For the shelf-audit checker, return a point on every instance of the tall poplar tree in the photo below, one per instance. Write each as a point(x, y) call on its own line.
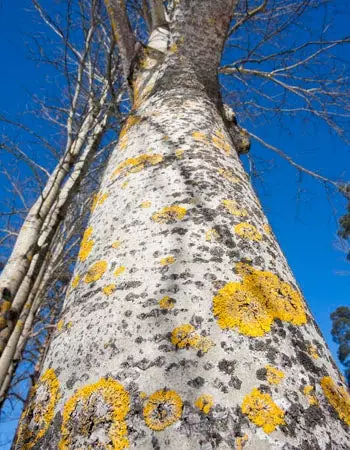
point(184, 327)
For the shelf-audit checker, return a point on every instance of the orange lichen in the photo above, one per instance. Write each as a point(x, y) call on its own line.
point(240, 442)
point(119, 270)
point(212, 235)
point(228, 175)
point(86, 245)
point(273, 375)
point(247, 231)
point(251, 306)
point(233, 209)
point(310, 395)
point(167, 302)
point(109, 289)
point(338, 397)
point(145, 204)
point(75, 281)
point(205, 403)
point(169, 214)
point(95, 271)
point(162, 409)
point(167, 261)
point(262, 410)
point(220, 142)
point(134, 165)
point(81, 417)
point(98, 200)
point(313, 352)
point(38, 416)
point(185, 336)
point(116, 244)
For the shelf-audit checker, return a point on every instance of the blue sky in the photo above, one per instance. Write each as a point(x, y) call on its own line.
point(301, 211)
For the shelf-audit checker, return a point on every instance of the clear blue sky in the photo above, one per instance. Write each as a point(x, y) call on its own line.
point(302, 215)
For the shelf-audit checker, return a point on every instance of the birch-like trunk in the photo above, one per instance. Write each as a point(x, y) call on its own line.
point(184, 327)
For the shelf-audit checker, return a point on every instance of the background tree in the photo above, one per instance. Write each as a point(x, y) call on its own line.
point(341, 335)
point(170, 66)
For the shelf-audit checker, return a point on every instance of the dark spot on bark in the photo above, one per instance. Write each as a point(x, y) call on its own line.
point(180, 231)
point(155, 443)
point(305, 360)
point(285, 360)
point(226, 366)
point(272, 354)
point(196, 382)
point(261, 374)
point(314, 416)
point(235, 382)
point(310, 444)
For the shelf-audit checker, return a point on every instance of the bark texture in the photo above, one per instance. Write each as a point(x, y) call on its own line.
point(184, 327)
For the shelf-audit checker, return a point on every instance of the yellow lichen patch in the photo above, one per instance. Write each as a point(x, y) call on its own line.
point(167, 302)
point(134, 165)
point(338, 397)
point(131, 121)
point(233, 209)
point(60, 324)
point(205, 402)
point(116, 244)
point(82, 416)
point(250, 306)
point(75, 281)
point(173, 48)
point(312, 350)
point(220, 142)
point(228, 175)
point(204, 344)
point(143, 395)
point(162, 409)
point(284, 302)
point(167, 261)
point(98, 200)
point(310, 395)
point(247, 231)
point(169, 214)
point(179, 153)
point(240, 442)
point(86, 245)
point(273, 375)
point(119, 270)
point(96, 271)
point(212, 235)
point(237, 308)
point(200, 136)
point(38, 416)
point(109, 289)
point(124, 185)
point(145, 204)
point(262, 410)
point(185, 336)
point(267, 228)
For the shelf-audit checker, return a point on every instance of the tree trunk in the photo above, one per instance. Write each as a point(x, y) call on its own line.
point(184, 327)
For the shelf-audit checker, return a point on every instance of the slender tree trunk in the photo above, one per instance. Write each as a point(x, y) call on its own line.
point(184, 327)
